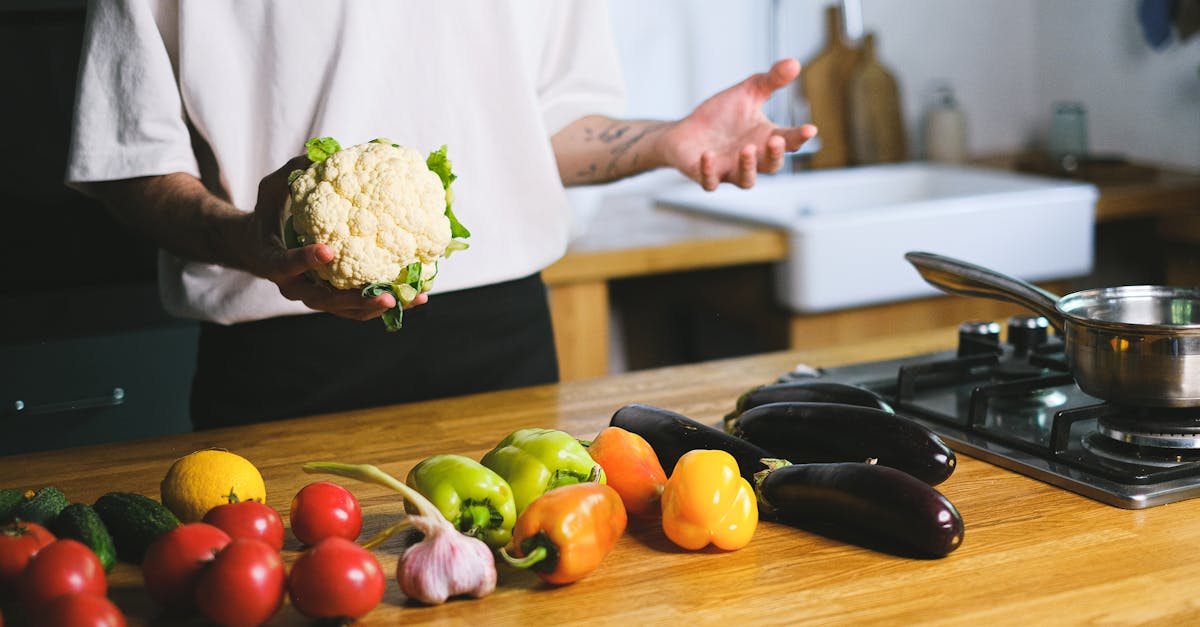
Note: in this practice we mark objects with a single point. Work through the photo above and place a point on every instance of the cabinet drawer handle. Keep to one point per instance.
(116, 397)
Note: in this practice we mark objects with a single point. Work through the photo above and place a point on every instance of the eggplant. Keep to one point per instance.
(871, 505)
(831, 432)
(807, 391)
(671, 435)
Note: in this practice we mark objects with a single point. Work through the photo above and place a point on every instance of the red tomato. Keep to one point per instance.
(248, 519)
(80, 610)
(243, 585)
(173, 563)
(61, 567)
(325, 509)
(336, 579)
(18, 542)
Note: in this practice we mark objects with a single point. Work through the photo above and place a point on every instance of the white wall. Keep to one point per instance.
(1141, 102)
(1008, 60)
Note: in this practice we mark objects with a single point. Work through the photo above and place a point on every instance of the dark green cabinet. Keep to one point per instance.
(91, 389)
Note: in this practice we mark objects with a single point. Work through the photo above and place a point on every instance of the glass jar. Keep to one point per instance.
(1067, 144)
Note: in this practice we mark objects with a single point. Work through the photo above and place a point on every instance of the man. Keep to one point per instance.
(184, 105)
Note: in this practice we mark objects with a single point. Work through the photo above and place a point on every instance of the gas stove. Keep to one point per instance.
(1013, 403)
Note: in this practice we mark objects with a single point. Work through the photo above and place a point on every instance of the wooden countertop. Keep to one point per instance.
(1127, 189)
(1032, 553)
(1167, 192)
(631, 236)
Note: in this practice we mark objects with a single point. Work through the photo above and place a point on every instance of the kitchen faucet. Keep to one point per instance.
(787, 107)
(852, 19)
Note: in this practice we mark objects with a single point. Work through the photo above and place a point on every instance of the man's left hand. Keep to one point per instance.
(729, 139)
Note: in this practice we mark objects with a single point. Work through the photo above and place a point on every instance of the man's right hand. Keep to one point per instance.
(288, 268)
(181, 216)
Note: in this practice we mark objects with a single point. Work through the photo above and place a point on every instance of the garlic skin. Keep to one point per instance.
(445, 563)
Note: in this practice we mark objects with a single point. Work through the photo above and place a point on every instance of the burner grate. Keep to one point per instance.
(941, 372)
(1016, 405)
(1031, 414)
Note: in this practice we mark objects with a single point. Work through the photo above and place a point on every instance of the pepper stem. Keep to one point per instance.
(541, 554)
(563, 476)
(476, 518)
(533, 557)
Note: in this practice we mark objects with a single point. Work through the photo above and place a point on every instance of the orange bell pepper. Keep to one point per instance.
(706, 501)
(564, 533)
(632, 469)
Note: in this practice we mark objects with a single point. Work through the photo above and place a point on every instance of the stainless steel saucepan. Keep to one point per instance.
(1133, 345)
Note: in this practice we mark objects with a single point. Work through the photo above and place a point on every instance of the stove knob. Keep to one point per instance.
(1026, 333)
(978, 337)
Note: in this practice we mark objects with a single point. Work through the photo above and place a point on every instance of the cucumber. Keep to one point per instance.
(9, 499)
(42, 506)
(135, 521)
(78, 521)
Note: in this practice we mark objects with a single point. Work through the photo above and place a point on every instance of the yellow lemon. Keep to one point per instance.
(200, 481)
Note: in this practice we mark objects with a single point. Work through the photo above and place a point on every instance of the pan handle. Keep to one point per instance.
(960, 277)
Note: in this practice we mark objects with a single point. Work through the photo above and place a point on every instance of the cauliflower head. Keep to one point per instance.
(383, 209)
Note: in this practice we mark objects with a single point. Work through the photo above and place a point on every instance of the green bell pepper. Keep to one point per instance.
(476, 500)
(535, 461)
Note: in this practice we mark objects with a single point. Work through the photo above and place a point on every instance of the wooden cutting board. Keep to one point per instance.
(823, 81)
(876, 125)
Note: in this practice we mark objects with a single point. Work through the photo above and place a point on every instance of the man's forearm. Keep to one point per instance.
(179, 215)
(596, 149)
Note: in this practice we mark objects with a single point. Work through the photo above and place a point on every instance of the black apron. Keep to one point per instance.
(476, 340)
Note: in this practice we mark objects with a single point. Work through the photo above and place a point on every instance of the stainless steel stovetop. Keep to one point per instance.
(1013, 403)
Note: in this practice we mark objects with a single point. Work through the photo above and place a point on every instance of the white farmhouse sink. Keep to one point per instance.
(849, 228)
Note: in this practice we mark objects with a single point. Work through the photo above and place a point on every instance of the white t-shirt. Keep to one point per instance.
(253, 79)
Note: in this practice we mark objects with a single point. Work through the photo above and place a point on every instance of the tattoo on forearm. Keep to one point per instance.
(614, 133)
(622, 139)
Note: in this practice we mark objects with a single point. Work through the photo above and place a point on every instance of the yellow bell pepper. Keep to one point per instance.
(706, 501)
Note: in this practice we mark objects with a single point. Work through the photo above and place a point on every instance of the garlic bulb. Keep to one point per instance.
(445, 563)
